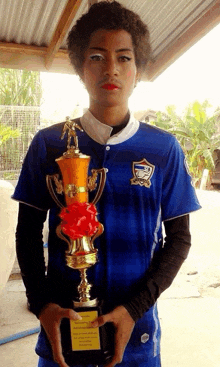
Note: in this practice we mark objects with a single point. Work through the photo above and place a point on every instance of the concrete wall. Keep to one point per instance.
(8, 220)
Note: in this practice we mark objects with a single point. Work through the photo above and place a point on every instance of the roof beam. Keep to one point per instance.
(29, 50)
(22, 49)
(64, 23)
(92, 2)
(201, 27)
(20, 56)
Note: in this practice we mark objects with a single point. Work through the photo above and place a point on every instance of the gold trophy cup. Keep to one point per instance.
(86, 345)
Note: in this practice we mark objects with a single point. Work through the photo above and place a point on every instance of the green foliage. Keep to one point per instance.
(20, 87)
(197, 134)
(17, 124)
(10, 175)
(6, 133)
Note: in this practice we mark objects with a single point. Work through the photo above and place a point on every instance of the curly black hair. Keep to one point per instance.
(109, 16)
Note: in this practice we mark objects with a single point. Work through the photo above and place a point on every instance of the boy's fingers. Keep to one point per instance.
(55, 340)
(56, 343)
(70, 314)
(101, 320)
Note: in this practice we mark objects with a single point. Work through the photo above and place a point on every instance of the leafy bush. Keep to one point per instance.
(20, 88)
(20, 98)
(197, 134)
(6, 133)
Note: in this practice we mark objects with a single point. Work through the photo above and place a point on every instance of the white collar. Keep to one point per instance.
(101, 133)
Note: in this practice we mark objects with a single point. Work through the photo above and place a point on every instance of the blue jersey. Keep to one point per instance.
(147, 183)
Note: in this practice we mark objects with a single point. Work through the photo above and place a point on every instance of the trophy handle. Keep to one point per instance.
(102, 172)
(98, 233)
(49, 179)
(60, 235)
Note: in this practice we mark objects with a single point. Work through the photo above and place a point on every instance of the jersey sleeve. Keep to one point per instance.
(31, 188)
(178, 193)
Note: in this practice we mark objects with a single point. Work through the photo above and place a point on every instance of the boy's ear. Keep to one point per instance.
(81, 75)
(138, 77)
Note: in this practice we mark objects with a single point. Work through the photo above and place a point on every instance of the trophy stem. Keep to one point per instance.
(84, 287)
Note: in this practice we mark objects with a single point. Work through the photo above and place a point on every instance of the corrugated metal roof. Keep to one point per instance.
(173, 18)
(34, 22)
(30, 22)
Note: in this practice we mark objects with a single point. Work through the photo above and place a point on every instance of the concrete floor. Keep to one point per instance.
(189, 310)
(15, 318)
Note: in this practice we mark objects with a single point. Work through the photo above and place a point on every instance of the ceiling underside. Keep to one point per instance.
(33, 33)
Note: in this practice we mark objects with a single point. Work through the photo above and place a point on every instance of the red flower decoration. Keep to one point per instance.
(79, 219)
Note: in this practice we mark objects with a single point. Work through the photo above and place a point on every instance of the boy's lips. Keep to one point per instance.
(109, 86)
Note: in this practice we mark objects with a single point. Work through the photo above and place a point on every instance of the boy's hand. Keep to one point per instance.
(50, 318)
(124, 325)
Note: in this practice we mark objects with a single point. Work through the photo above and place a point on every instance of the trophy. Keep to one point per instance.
(79, 228)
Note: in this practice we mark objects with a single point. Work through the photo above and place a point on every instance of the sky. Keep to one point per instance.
(194, 76)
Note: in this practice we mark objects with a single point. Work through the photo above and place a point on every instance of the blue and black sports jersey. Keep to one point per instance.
(147, 183)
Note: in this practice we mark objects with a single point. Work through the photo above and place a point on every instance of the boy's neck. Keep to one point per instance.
(111, 116)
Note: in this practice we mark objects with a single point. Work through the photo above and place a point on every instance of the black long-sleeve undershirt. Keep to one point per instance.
(163, 269)
(30, 255)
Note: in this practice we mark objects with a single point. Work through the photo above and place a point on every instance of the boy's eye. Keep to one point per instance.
(96, 57)
(124, 58)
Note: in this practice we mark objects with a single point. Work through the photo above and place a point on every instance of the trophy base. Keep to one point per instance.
(83, 344)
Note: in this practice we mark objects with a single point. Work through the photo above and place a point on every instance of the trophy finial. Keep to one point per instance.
(70, 127)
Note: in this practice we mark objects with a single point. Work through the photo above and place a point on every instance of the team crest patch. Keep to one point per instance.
(142, 173)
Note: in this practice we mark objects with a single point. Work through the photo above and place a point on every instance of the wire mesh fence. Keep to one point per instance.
(27, 120)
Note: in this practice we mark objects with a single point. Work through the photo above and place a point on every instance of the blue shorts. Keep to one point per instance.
(153, 362)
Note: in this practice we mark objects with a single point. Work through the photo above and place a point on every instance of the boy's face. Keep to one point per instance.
(109, 70)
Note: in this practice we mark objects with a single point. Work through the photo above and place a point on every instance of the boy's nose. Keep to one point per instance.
(111, 67)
